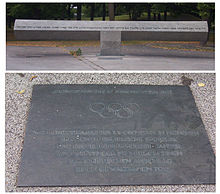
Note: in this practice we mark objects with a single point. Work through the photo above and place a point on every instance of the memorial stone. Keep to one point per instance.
(110, 43)
(94, 30)
(114, 135)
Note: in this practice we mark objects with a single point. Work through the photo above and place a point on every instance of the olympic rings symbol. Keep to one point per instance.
(114, 109)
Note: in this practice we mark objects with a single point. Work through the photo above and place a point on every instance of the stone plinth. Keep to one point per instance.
(110, 43)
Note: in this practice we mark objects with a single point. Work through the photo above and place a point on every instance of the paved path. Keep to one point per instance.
(136, 57)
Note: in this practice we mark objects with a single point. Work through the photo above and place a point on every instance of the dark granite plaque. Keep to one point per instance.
(115, 135)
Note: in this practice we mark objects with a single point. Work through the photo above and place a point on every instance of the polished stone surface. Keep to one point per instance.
(131, 30)
(65, 25)
(115, 135)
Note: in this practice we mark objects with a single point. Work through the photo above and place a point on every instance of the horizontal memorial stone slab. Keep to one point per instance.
(114, 135)
(63, 25)
(130, 30)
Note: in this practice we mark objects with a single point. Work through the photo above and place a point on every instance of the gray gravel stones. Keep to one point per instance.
(17, 106)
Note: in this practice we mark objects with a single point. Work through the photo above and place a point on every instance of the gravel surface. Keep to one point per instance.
(17, 106)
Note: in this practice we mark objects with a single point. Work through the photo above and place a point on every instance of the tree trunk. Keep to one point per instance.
(165, 15)
(92, 11)
(211, 13)
(111, 12)
(79, 10)
(103, 12)
(149, 13)
(155, 17)
(159, 18)
(209, 21)
(115, 7)
(68, 11)
(9, 21)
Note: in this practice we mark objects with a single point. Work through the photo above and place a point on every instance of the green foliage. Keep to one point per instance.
(175, 9)
(134, 10)
(37, 10)
(204, 9)
(120, 9)
(72, 52)
(159, 7)
(77, 52)
(207, 12)
(86, 9)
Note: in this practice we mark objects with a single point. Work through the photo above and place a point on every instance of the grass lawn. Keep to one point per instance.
(168, 45)
(117, 18)
(182, 17)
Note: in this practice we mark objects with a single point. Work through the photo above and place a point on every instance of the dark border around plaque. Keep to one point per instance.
(87, 135)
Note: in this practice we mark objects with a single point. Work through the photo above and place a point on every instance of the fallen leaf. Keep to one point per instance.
(33, 77)
(186, 81)
(201, 84)
(21, 74)
(20, 92)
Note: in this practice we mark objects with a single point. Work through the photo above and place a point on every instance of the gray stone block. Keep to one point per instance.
(148, 26)
(165, 36)
(112, 32)
(56, 35)
(110, 43)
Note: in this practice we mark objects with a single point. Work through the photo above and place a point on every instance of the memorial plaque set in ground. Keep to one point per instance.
(114, 135)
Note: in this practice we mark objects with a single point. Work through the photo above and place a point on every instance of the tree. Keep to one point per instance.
(37, 10)
(111, 12)
(149, 11)
(103, 11)
(79, 11)
(69, 11)
(134, 10)
(158, 8)
(207, 12)
(92, 11)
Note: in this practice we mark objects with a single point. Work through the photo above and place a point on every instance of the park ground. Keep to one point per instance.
(137, 55)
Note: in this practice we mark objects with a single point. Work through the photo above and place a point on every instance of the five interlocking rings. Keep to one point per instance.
(114, 109)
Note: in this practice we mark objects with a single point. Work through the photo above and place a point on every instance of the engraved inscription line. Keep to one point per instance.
(115, 91)
(116, 132)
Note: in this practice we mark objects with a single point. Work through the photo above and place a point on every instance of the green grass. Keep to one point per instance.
(117, 18)
(144, 16)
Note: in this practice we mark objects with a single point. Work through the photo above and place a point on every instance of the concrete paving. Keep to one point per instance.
(136, 57)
